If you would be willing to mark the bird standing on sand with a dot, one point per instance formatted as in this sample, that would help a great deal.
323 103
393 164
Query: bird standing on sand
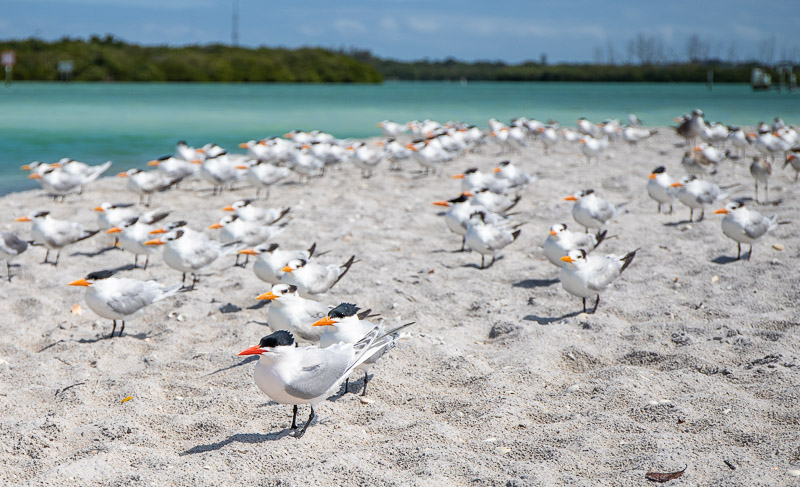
189 251
561 242
10 247
120 298
586 276
271 260
487 238
697 194
55 234
660 188
291 312
311 278
743 225
592 211
761 170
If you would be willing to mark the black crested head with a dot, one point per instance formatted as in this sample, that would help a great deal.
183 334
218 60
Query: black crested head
587 192
461 198
659 170
271 247
181 142
246 202
163 158
343 310
583 253
390 140
42 213
280 338
96 276
130 221
471 170
292 288
504 163
417 141
178 233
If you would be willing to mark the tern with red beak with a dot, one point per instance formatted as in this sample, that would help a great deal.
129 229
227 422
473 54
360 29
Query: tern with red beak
744 225
120 298
585 275
311 278
55 234
291 312
307 375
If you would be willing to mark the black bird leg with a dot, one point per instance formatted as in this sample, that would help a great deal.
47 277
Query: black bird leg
482 267
750 253
113 329
46 255
8 269
294 417
122 329
463 243
659 208
183 279
670 208
596 303
311 417
691 215
366 381
738 251
146 261
58 254
347 385
584 305
135 261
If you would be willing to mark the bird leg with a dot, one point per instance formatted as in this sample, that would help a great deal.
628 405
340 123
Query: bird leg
113 329
738 251
584 305
492 262
8 269
135 261
463 243
750 253
347 385
691 215
58 254
194 279
183 278
366 381
482 265
756 191
670 208
702 213
294 417
311 417
46 255
659 208
146 261
122 329
596 303
766 192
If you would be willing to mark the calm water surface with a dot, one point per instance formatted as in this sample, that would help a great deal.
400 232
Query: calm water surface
131 123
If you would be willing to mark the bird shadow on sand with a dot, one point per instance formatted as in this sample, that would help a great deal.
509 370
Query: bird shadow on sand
534 283
680 222
726 259
259 305
488 266
545 320
95 254
247 438
137 336
246 361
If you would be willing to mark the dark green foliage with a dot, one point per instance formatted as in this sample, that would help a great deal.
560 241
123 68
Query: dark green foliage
109 59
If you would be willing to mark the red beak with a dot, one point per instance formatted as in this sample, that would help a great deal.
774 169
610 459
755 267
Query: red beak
252 351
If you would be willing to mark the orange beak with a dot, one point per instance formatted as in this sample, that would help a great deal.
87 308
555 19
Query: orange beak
248 252
23 219
228 208
99 208
153 163
34 176
215 226
288 135
158 230
197 161
26 167
80 282
200 151
698 149
467 193
497 169
241 167
243 145
652 176
553 233
441 203
570 198
252 351
676 185
721 210
567 258
267 296
156 241
122 175
411 147
457 176
324 322
287 269
308 147
583 141
380 143
114 230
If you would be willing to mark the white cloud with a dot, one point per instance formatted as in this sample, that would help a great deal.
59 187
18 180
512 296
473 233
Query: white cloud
349 26
423 25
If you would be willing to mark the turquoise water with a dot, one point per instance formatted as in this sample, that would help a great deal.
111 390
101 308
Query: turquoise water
131 123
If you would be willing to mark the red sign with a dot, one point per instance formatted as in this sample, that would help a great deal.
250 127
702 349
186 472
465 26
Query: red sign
8 58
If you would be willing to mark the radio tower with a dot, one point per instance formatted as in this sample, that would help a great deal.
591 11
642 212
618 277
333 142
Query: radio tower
235 24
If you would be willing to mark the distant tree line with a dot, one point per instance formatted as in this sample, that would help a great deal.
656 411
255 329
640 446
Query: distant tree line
645 59
109 59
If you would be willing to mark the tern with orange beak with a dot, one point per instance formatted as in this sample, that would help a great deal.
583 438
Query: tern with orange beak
247 211
660 188
174 168
311 278
344 324
516 177
291 312
585 275
744 225
697 194
561 242
190 251
59 182
592 211
761 170
134 232
55 234
10 247
264 175
271 260
307 375
457 217
236 230
120 298
146 183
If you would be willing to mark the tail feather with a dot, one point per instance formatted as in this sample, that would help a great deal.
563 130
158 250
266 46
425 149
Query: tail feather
312 249
627 260
514 203
599 237
170 291
516 234
99 170
86 234
283 213
346 266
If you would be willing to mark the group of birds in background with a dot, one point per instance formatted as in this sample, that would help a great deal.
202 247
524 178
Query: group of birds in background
339 340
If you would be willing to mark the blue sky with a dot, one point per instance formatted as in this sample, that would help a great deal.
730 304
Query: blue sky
511 31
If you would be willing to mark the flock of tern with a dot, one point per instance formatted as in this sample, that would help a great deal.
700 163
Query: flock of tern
341 339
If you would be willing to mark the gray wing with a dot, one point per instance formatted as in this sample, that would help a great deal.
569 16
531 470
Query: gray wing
757 228
324 369
498 238
134 297
202 255
64 233
12 244
604 212
603 271
708 195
